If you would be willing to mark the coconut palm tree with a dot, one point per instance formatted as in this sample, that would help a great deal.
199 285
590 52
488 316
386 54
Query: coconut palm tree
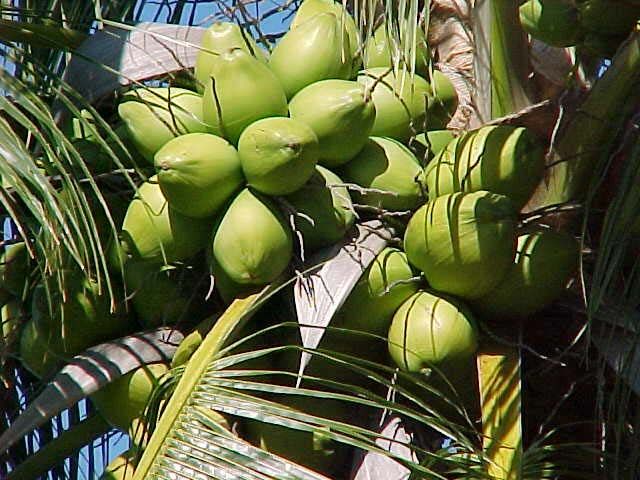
562 380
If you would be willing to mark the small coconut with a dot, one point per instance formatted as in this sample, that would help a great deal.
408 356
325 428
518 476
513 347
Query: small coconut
240 90
387 165
219 38
430 330
152 230
543 265
500 158
124 400
12 316
39 350
605 17
400 101
433 141
15 266
198 173
315 50
463 242
339 113
278 155
380 45
555 22
252 242
153 116
383 287
326 202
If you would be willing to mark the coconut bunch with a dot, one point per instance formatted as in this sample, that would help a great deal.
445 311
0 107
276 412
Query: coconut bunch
597 26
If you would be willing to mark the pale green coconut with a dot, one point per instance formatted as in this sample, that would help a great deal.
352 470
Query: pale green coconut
387 165
327 203
543 265
278 155
156 293
152 230
429 330
501 158
124 400
341 116
379 48
463 242
120 468
14 268
400 101
315 50
219 38
555 22
153 116
252 243
442 101
383 287
348 29
198 173
605 17
241 90
434 141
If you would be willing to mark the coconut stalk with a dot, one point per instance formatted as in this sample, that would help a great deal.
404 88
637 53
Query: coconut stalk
589 134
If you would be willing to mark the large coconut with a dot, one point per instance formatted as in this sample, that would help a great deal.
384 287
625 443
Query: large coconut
400 101
241 90
442 101
153 116
348 29
315 50
124 400
198 173
252 242
383 287
387 165
501 158
380 45
543 265
555 22
326 202
463 242
432 331
278 155
339 113
15 268
219 38
152 230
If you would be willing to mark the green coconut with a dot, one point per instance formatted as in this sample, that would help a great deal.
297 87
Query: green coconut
327 203
339 113
600 45
156 293
501 158
152 230
124 400
198 173
12 316
348 29
543 265
219 38
463 242
434 141
278 155
122 467
315 50
383 287
241 90
605 17
442 101
429 330
387 165
252 243
555 22
400 101
379 48
153 116
39 350
313 449
15 268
